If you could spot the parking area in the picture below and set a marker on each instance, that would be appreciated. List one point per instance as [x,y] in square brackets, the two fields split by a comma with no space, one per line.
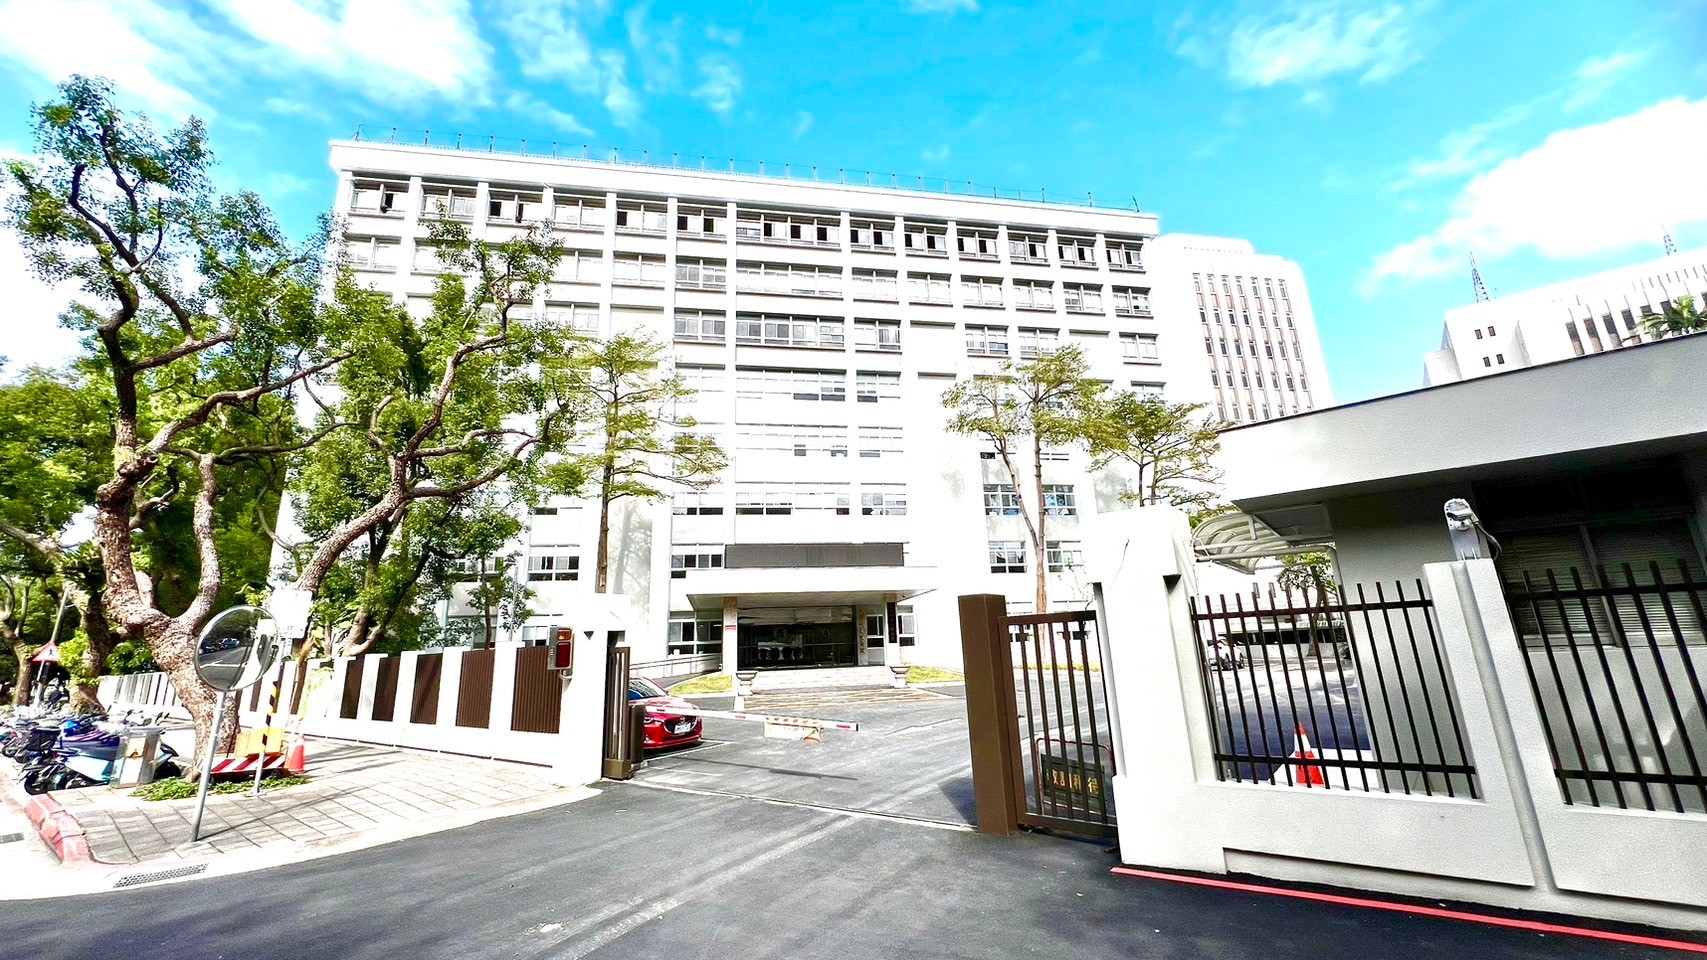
[909,758]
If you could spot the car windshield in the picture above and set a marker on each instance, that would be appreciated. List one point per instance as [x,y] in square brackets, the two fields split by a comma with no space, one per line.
[640,688]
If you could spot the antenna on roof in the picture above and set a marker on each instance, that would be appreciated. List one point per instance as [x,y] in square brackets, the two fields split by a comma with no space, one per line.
[1671,248]
[1476,280]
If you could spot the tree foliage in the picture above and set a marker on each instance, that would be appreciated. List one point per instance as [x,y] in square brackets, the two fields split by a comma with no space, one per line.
[1028,405]
[1675,319]
[640,442]
[1169,447]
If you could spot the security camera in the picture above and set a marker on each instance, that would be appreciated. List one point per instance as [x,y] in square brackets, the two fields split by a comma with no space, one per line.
[1469,540]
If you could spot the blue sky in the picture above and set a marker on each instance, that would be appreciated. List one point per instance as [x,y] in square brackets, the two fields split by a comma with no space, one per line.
[1374,142]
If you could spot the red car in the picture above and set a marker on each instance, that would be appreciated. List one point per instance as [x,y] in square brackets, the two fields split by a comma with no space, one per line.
[663,730]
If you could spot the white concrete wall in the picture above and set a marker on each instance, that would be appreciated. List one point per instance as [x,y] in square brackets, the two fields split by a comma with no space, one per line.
[1519,845]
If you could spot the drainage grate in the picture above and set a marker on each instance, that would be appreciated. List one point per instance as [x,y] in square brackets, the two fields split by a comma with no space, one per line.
[155,876]
[10,837]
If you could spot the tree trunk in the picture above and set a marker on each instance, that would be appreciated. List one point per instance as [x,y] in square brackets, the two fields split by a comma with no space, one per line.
[21,692]
[601,579]
[1039,534]
[102,640]
[175,650]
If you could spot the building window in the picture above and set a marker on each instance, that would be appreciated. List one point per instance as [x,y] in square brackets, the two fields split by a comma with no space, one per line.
[883,500]
[1478,333]
[760,383]
[877,334]
[704,326]
[582,318]
[540,511]
[1130,302]
[577,213]
[372,253]
[1150,391]
[1034,295]
[1076,251]
[1000,500]
[638,269]
[878,442]
[786,499]
[797,229]
[798,441]
[1007,556]
[1125,255]
[929,288]
[702,274]
[641,218]
[981,291]
[872,235]
[685,557]
[926,239]
[554,563]
[873,386]
[695,638]
[788,279]
[512,206]
[876,285]
[1036,342]
[905,625]
[697,503]
[1499,358]
[986,341]
[1058,500]
[774,330]
[378,197]
[1142,347]
[1064,555]
[976,244]
[456,203]
[701,221]
[1028,247]
[1487,362]
[1082,298]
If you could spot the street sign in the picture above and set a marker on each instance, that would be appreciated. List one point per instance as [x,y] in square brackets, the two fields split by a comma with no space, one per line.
[236,648]
[47,654]
[290,607]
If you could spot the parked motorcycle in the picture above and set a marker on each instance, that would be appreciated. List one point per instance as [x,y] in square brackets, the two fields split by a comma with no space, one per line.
[89,757]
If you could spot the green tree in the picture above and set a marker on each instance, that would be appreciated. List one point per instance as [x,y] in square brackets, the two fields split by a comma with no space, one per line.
[1169,447]
[1675,319]
[1034,403]
[641,441]
[1311,576]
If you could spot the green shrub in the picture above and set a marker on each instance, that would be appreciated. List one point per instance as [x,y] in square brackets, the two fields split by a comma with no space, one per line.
[177,788]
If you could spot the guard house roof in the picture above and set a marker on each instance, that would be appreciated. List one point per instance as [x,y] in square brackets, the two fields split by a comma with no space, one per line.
[1639,401]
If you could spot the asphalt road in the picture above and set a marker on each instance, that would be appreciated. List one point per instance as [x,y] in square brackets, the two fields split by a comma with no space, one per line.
[650,871]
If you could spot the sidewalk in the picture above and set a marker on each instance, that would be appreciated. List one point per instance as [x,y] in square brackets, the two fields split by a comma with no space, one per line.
[358,795]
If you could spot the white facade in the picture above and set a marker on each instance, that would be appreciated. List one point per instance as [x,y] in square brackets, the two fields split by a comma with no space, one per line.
[820,324]
[1262,356]
[1577,317]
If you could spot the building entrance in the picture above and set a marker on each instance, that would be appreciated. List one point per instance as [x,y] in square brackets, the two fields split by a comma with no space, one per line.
[772,646]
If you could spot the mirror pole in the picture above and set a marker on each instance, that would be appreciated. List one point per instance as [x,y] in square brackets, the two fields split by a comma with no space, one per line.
[207,765]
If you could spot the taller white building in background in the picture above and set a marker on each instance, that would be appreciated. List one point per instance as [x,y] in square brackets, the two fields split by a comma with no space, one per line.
[819,324]
[1264,358]
[1577,317]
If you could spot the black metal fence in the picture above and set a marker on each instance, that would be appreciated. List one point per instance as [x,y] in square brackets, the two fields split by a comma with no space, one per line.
[1068,744]
[1332,693]
[1616,668]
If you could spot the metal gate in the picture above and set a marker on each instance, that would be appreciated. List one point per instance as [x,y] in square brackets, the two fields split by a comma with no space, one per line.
[1050,766]
[625,725]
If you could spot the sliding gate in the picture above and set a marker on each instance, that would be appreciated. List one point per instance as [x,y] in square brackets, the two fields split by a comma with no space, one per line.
[1037,709]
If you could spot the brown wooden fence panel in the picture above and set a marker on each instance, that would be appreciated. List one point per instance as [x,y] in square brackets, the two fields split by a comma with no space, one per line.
[538,699]
[385,690]
[424,708]
[474,692]
[352,690]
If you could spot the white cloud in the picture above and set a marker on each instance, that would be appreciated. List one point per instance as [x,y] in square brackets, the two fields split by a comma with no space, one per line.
[1306,42]
[33,306]
[1597,75]
[658,49]
[520,102]
[1587,190]
[155,55]
[386,48]
[802,123]
[1463,152]
[550,40]
[728,36]
[722,83]
[942,6]
[936,154]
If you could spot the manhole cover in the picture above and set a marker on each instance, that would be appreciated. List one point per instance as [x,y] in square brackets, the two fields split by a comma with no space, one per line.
[155,876]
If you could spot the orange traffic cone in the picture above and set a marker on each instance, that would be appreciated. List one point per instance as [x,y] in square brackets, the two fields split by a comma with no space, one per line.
[296,760]
[1308,774]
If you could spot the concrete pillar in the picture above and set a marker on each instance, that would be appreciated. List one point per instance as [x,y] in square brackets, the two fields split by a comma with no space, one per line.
[580,730]
[731,637]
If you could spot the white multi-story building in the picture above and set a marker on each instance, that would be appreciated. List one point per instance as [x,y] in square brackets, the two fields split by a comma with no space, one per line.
[1258,331]
[1577,317]
[819,324]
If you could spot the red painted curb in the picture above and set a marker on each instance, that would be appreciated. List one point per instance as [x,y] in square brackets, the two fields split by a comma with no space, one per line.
[58,829]
[1537,926]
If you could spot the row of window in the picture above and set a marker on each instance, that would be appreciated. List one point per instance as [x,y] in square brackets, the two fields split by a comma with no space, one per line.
[986,340]
[1010,556]
[805,441]
[1272,383]
[790,499]
[574,211]
[697,638]
[827,386]
[1001,500]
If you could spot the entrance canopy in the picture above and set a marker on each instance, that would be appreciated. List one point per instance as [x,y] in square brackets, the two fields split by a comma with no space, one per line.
[760,587]
[1238,540]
